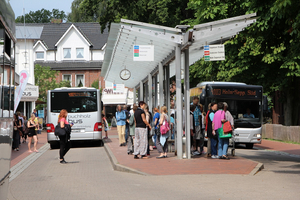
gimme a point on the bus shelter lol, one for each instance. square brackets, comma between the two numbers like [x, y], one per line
[167, 52]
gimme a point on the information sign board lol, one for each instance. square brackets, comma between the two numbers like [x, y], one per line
[143, 53]
[214, 52]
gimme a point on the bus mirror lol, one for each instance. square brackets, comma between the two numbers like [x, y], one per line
[202, 97]
[265, 103]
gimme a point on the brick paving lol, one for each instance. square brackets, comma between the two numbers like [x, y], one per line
[279, 146]
[172, 165]
[18, 156]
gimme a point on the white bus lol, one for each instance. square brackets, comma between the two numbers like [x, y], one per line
[84, 110]
[240, 97]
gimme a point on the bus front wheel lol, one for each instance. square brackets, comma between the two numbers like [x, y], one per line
[249, 145]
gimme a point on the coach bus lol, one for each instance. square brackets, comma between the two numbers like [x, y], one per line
[84, 111]
[245, 103]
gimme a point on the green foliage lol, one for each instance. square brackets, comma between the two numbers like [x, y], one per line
[95, 84]
[41, 16]
[45, 78]
[161, 12]
[266, 53]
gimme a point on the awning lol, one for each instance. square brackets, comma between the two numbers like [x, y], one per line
[125, 35]
[114, 99]
[31, 93]
[37, 102]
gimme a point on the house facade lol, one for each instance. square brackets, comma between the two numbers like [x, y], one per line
[76, 50]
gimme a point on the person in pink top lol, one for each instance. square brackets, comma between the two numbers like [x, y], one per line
[219, 118]
[64, 141]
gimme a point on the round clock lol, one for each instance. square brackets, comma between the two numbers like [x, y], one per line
[125, 74]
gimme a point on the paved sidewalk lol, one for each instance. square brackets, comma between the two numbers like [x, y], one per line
[172, 165]
[293, 149]
[18, 156]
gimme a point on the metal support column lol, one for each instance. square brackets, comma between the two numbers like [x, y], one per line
[146, 96]
[141, 97]
[168, 88]
[187, 103]
[155, 91]
[161, 84]
[134, 95]
[150, 93]
[178, 100]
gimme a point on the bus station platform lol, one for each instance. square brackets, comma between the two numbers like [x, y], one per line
[171, 165]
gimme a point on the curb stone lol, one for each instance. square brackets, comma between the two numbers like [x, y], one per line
[258, 168]
[119, 167]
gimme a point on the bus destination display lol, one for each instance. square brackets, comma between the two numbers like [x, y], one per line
[232, 92]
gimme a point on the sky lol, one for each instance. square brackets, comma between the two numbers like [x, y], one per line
[34, 5]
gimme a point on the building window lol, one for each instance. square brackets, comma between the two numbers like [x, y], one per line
[79, 81]
[67, 53]
[79, 53]
[39, 55]
[67, 77]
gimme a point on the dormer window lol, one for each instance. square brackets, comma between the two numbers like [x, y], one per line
[67, 53]
[39, 55]
[79, 53]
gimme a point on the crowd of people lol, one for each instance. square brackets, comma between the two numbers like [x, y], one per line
[139, 129]
[26, 129]
[142, 131]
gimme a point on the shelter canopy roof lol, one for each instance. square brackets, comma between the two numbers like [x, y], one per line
[123, 36]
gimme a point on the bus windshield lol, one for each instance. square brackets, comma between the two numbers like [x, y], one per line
[74, 102]
[246, 113]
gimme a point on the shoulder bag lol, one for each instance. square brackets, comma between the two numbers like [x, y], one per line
[59, 131]
[223, 135]
[227, 127]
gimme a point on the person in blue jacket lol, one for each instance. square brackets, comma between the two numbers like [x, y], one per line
[121, 124]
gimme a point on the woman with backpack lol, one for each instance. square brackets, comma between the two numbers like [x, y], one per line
[162, 136]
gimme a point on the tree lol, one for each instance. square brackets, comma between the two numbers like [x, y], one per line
[75, 15]
[266, 53]
[45, 78]
[95, 84]
[160, 12]
[41, 16]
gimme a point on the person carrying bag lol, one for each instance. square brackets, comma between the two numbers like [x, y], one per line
[63, 131]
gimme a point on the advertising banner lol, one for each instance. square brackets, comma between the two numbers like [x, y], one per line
[20, 88]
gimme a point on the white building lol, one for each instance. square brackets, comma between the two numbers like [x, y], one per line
[76, 50]
[26, 37]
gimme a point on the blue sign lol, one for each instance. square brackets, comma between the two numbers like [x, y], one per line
[206, 47]
[136, 47]
[41, 113]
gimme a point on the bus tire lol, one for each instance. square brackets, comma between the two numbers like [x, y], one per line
[249, 145]
[54, 145]
[233, 152]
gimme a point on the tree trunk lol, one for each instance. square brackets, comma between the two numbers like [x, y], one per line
[288, 109]
[292, 106]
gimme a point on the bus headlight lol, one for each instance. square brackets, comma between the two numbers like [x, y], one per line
[257, 135]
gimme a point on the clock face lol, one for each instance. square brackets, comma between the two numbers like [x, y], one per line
[125, 74]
